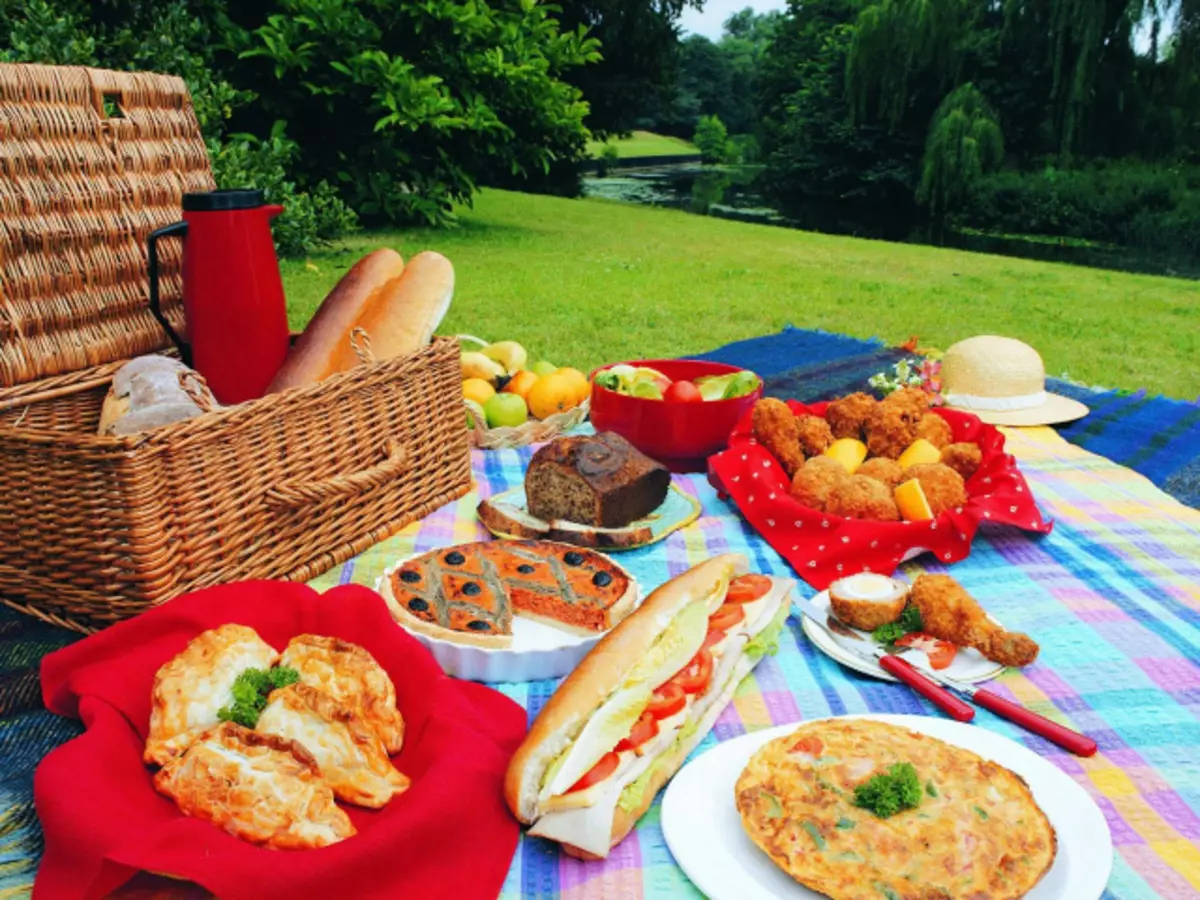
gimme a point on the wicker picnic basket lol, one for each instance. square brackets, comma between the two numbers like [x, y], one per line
[97, 529]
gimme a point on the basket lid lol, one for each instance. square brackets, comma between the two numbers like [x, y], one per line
[91, 161]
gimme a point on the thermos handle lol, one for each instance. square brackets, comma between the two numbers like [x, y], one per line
[178, 229]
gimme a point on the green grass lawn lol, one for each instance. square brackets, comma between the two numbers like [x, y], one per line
[584, 282]
[645, 143]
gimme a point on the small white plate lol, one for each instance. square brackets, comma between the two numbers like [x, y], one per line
[537, 651]
[969, 665]
[704, 831]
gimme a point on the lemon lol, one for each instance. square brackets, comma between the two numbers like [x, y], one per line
[583, 387]
[551, 394]
[919, 452]
[478, 390]
[849, 452]
[910, 499]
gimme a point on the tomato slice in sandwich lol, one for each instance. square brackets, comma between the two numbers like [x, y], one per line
[726, 617]
[644, 729]
[696, 674]
[666, 701]
[713, 637]
[597, 773]
[940, 653]
[747, 588]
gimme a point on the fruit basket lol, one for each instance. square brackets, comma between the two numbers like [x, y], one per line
[823, 547]
[532, 394]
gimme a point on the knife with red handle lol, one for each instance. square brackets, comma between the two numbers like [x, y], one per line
[902, 670]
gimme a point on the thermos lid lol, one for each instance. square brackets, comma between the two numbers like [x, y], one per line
[219, 201]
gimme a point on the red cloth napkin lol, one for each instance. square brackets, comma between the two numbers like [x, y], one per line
[823, 548]
[449, 835]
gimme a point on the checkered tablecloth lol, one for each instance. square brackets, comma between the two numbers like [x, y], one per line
[1112, 596]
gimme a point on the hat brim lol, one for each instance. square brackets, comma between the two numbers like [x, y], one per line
[1056, 410]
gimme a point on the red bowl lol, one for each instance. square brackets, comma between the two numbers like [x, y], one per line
[679, 435]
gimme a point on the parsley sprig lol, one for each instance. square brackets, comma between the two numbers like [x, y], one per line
[909, 621]
[250, 692]
[887, 794]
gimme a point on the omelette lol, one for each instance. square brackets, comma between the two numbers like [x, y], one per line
[975, 832]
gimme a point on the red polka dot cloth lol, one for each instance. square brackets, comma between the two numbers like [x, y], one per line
[823, 548]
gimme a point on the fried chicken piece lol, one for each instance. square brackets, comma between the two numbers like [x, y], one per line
[776, 429]
[942, 486]
[890, 428]
[936, 430]
[963, 458]
[847, 415]
[912, 400]
[816, 479]
[948, 612]
[815, 436]
[859, 497]
[882, 469]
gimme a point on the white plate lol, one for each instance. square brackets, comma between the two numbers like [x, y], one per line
[969, 665]
[704, 831]
[537, 651]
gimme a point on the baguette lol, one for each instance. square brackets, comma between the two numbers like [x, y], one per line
[316, 353]
[402, 317]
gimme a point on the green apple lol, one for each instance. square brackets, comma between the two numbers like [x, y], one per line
[543, 368]
[505, 410]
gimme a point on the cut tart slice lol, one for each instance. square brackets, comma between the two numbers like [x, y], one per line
[469, 593]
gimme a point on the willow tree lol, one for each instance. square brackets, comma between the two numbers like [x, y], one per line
[964, 144]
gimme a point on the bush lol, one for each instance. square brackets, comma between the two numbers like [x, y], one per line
[609, 156]
[711, 139]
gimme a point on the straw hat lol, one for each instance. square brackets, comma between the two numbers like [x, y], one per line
[1003, 381]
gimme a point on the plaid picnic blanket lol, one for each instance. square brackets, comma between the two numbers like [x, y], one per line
[1113, 596]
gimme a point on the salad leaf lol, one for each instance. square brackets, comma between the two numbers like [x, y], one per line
[723, 387]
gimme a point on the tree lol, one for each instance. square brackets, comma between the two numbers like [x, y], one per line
[711, 139]
[964, 144]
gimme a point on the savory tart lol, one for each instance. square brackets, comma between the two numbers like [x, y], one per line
[352, 677]
[469, 593]
[191, 688]
[261, 788]
[348, 752]
[858, 808]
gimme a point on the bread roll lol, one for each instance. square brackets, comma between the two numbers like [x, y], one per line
[317, 353]
[401, 318]
[147, 393]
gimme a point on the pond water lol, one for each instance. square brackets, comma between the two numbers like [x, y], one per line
[735, 193]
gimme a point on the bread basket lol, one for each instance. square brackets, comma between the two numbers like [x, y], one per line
[97, 529]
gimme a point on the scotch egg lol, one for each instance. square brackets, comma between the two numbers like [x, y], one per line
[866, 601]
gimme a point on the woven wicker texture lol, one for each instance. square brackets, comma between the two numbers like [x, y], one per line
[97, 529]
[79, 191]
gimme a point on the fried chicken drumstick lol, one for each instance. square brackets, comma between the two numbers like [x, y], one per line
[776, 428]
[948, 612]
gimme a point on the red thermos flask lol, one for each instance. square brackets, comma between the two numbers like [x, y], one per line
[235, 317]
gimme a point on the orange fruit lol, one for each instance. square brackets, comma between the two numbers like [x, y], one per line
[583, 387]
[849, 452]
[522, 383]
[552, 394]
[910, 499]
[478, 390]
[918, 452]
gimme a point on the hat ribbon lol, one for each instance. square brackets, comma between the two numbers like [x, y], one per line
[995, 404]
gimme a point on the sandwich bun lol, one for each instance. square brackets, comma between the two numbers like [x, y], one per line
[600, 673]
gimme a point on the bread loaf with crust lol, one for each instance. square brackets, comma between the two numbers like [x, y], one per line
[600, 480]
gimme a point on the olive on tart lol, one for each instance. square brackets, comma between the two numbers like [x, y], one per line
[469, 593]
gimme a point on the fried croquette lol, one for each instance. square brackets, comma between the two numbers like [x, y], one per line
[912, 400]
[859, 497]
[963, 458]
[948, 612]
[814, 433]
[890, 428]
[847, 415]
[942, 486]
[882, 469]
[815, 480]
[776, 429]
[936, 430]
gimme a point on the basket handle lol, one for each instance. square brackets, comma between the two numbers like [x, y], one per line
[299, 493]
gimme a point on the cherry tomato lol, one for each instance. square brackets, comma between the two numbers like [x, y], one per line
[696, 674]
[644, 728]
[809, 744]
[682, 392]
[667, 700]
[726, 617]
[747, 588]
[713, 637]
[597, 773]
[940, 653]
